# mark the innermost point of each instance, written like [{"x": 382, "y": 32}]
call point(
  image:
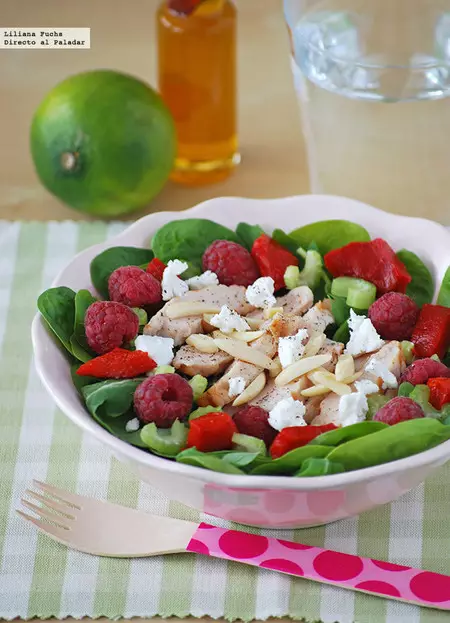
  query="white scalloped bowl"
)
[{"x": 262, "y": 501}]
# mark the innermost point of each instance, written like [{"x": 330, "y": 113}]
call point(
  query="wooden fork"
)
[{"x": 106, "y": 529}]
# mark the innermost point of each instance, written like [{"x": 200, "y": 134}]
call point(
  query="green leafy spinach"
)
[
  {"x": 248, "y": 234},
  {"x": 57, "y": 306},
  {"x": 444, "y": 291},
  {"x": 421, "y": 287},
  {"x": 329, "y": 235}
]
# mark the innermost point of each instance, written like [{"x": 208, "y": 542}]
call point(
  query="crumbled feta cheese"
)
[
  {"x": 366, "y": 387},
  {"x": 260, "y": 293},
  {"x": 228, "y": 320},
  {"x": 363, "y": 335},
  {"x": 236, "y": 386},
  {"x": 171, "y": 284},
  {"x": 291, "y": 348},
  {"x": 160, "y": 349},
  {"x": 352, "y": 408},
  {"x": 380, "y": 370},
  {"x": 132, "y": 425},
  {"x": 206, "y": 279},
  {"x": 288, "y": 412}
]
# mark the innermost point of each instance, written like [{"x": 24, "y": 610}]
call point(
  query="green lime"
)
[{"x": 103, "y": 142}]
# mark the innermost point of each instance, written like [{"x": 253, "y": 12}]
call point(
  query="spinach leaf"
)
[
  {"x": 109, "y": 403},
  {"x": 340, "y": 310},
  {"x": 83, "y": 299},
  {"x": 390, "y": 444},
  {"x": 421, "y": 287},
  {"x": 444, "y": 291},
  {"x": 290, "y": 462},
  {"x": 106, "y": 262},
  {"x": 78, "y": 351},
  {"x": 342, "y": 334},
  {"x": 316, "y": 466},
  {"x": 110, "y": 398},
  {"x": 329, "y": 235},
  {"x": 192, "y": 456},
  {"x": 248, "y": 234},
  {"x": 57, "y": 306},
  {"x": 341, "y": 435},
  {"x": 287, "y": 241},
  {"x": 240, "y": 459},
  {"x": 187, "y": 239},
  {"x": 80, "y": 381}
]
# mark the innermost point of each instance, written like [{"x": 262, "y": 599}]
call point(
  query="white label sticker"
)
[{"x": 15, "y": 38}]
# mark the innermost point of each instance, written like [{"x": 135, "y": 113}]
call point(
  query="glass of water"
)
[{"x": 373, "y": 81}]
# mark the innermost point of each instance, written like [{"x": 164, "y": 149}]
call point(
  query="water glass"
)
[{"x": 373, "y": 83}]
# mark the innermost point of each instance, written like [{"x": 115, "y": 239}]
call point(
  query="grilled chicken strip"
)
[{"x": 191, "y": 361}]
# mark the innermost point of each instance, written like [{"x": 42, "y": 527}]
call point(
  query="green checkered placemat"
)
[{"x": 39, "y": 578}]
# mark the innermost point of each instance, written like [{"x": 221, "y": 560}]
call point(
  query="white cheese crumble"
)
[
  {"x": 132, "y": 425},
  {"x": 363, "y": 336},
  {"x": 352, "y": 408},
  {"x": 291, "y": 348},
  {"x": 286, "y": 413},
  {"x": 206, "y": 279},
  {"x": 228, "y": 320},
  {"x": 171, "y": 284},
  {"x": 366, "y": 387},
  {"x": 380, "y": 370},
  {"x": 260, "y": 293},
  {"x": 236, "y": 386},
  {"x": 160, "y": 349}
]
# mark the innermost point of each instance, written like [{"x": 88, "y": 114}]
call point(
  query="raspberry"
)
[
  {"x": 252, "y": 420},
  {"x": 109, "y": 325},
  {"x": 134, "y": 287},
  {"x": 421, "y": 370},
  {"x": 398, "y": 410},
  {"x": 394, "y": 316},
  {"x": 232, "y": 263},
  {"x": 162, "y": 399}
]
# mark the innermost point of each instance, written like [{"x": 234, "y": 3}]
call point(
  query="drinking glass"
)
[{"x": 373, "y": 83}]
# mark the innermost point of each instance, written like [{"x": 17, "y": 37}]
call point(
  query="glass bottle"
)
[{"x": 197, "y": 80}]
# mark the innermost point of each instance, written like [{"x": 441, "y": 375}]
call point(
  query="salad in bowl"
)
[{"x": 244, "y": 351}]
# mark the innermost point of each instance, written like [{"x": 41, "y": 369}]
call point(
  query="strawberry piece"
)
[
  {"x": 373, "y": 261},
  {"x": 119, "y": 363},
  {"x": 156, "y": 268},
  {"x": 272, "y": 259},
  {"x": 439, "y": 392},
  {"x": 431, "y": 335},
  {"x": 209, "y": 433},
  {"x": 294, "y": 437}
]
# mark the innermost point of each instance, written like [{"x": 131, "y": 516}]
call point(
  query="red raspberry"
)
[
  {"x": 252, "y": 420},
  {"x": 232, "y": 263},
  {"x": 134, "y": 287},
  {"x": 162, "y": 399},
  {"x": 421, "y": 370},
  {"x": 108, "y": 325},
  {"x": 394, "y": 316},
  {"x": 399, "y": 410}
]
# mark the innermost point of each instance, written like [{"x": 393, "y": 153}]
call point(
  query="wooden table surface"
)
[{"x": 122, "y": 38}]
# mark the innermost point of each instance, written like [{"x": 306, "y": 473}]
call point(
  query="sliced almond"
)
[
  {"x": 298, "y": 386},
  {"x": 254, "y": 323},
  {"x": 276, "y": 369},
  {"x": 345, "y": 367},
  {"x": 251, "y": 391},
  {"x": 327, "y": 379},
  {"x": 300, "y": 367},
  {"x": 203, "y": 343},
  {"x": 314, "y": 344},
  {"x": 353, "y": 378},
  {"x": 247, "y": 336},
  {"x": 315, "y": 390},
  {"x": 270, "y": 312},
  {"x": 186, "y": 308},
  {"x": 241, "y": 351}
]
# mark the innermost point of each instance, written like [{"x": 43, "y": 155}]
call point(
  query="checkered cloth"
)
[{"x": 40, "y": 578}]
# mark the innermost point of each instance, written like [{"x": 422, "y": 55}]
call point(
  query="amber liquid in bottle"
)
[{"x": 197, "y": 80}]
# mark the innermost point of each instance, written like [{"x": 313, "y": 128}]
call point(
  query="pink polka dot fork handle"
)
[{"x": 384, "y": 579}]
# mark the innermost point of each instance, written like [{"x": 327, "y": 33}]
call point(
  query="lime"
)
[{"x": 103, "y": 142}]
